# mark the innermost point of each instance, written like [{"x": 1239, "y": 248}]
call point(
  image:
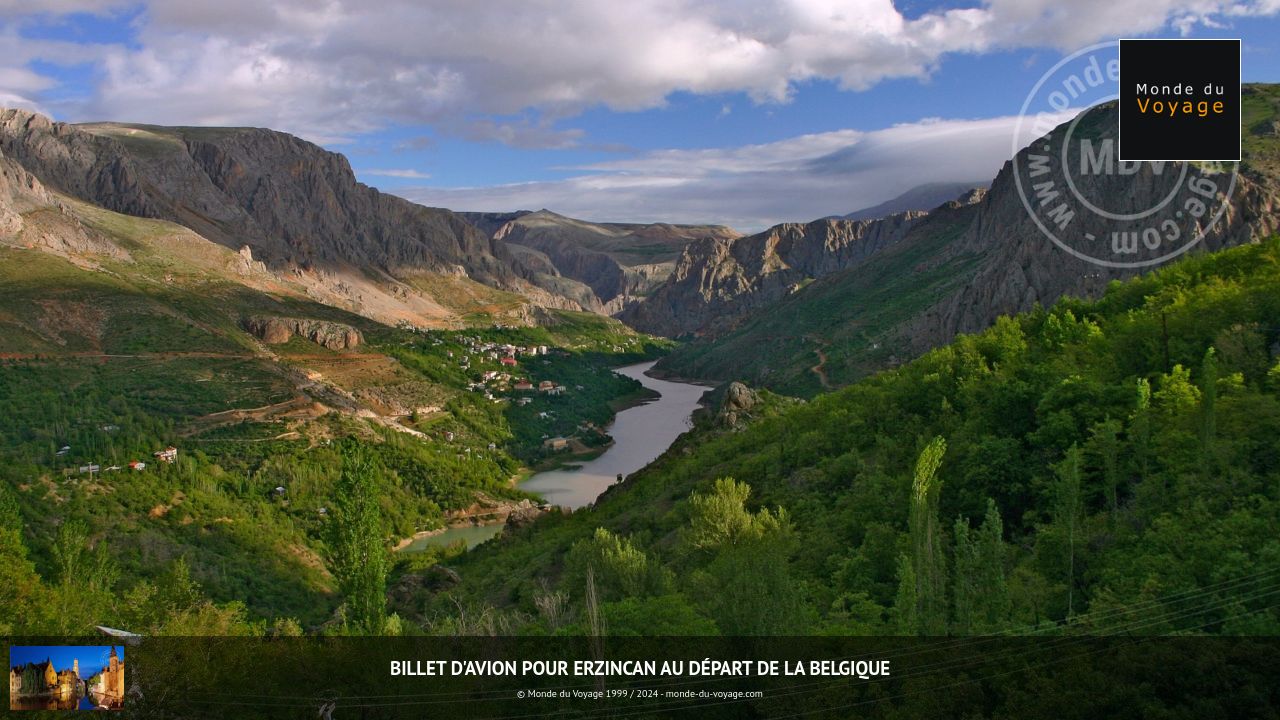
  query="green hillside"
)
[
  {"x": 1110, "y": 466},
  {"x": 116, "y": 355}
]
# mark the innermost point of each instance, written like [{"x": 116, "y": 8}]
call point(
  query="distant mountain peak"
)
[{"x": 920, "y": 197}]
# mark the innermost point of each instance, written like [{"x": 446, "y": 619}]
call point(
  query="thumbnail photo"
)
[{"x": 66, "y": 677}]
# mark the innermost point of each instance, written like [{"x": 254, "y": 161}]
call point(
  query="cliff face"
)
[
  {"x": 619, "y": 263},
  {"x": 32, "y": 217},
  {"x": 717, "y": 282},
  {"x": 292, "y": 202},
  {"x": 20, "y": 193},
  {"x": 1022, "y": 268}
]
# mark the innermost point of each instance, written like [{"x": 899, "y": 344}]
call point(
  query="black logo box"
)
[{"x": 1181, "y": 65}]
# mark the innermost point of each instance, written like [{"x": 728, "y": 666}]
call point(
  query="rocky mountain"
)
[
  {"x": 921, "y": 197},
  {"x": 32, "y": 217},
  {"x": 616, "y": 262},
  {"x": 289, "y": 200},
  {"x": 718, "y": 281},
  {"x": 959, "y": 268},
  {"x": 296, "y": 207}
]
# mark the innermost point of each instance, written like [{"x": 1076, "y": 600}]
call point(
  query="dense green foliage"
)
[
  {"x": 357, "y": 553},
  {"x": 1112, "y": 465}
]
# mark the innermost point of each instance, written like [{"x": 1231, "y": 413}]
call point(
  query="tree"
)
[
  {"x": 928, "y": 561},
  {"x": 1140, "y": 428},
  {"x": 1208, "y": 398},
  {"x": 747, "y": 588},
  {"x": 358, "y": 554},
  {"x": 720, "y": 517},
  {"x": 1068, "y": 507},
  {"x": 69, "y": 549},
  {"x": 621, "y": 569},
  {"x": 1106, "y": 443},
  {"x": 981, "y": 595}
]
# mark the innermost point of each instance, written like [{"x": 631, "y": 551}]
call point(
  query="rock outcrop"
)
[
  {"x": 33, "y": 217},
  {"x": 717, "y": 281},
  {"x": 408, "y": 596},
  {"x": 522, "y": 517},
  {"x": 277, "y": 330},
  {"x": 737, "y": 405}
]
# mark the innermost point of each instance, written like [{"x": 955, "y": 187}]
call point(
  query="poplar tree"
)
[
  {"x": 1067, "y": 509},
  {"x": 357, "y": 551},
  {"x": 1140, "y": 427},
  {"x": 928, "y": 561},
  {"x": 1107, "y": 443},
  {"x": 980, "y": 593},
  {"x": 964, "y": 579},
  {"x": 1208, "y": 398}
]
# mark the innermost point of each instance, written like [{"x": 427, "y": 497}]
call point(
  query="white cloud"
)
[
  {"x": 395, "y": 173},
  {"x": 522, "y": 134},
  {"x": 327, "y": 69},
  {"x": 754, "y": 186}
]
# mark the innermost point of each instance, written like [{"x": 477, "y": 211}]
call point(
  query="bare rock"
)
[
  {"x": 277, "y": 330},
  {"x": 522, "y": 517},
  {"x": 718, "y": 281}
]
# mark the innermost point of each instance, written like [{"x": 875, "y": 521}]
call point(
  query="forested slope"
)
[{"x": 1112, "y": 464}]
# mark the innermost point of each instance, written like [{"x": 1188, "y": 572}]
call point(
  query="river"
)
[{"x": 640, "y": 434}]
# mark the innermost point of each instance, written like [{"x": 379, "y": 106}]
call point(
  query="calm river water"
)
[{"x": 640, "y": 435}]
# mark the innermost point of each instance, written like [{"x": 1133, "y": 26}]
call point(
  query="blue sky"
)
[
  {"x": 92, "y": 657},
  {"x": 674, "y": 110}
]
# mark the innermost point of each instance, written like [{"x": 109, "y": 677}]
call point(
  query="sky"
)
[
  {"x": 92, "y": 657},
  {"x": 745, "y": 113}
]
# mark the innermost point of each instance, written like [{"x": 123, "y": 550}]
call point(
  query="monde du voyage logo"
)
[{"x": 1136, "y": 177}]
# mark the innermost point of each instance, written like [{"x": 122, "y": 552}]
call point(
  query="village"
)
[
  {"x": 502, "y": 373},
  {"x": 168, "y": 455}
]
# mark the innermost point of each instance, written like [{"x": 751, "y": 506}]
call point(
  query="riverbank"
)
[
  {"x": 485, "y": 513},
  {"x": 646, "y": 424},
  {"x": 640, "y": 434}
]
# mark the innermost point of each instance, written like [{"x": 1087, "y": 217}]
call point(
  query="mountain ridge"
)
[
  {"x": 288, "y": 204},
  {"x": 897, "y": 305},
  {"x": 920, "y": 197},
  {"x": 618, "y": 262}
]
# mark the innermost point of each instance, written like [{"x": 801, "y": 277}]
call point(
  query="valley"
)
[{"x": 247, "y": 394}]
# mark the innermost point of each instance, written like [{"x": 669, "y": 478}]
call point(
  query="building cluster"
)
[
  {"x": 491, "y": 381},
  {"x": 41, "y": 679},
  {"x": 504, "y": 353},
  {"x": 110, "y": 686},
  {"x": 168, "y": 455}
]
